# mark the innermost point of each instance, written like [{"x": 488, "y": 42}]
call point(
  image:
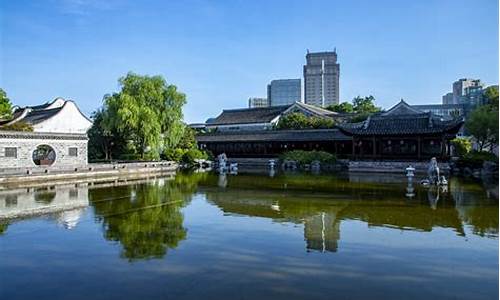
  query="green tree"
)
[
  {"x": 105, "y": 142},
  {"x": 344, "y": 107},
  {"x": 298, "y": 120},
  {"x": 483, "y": 125},
  {"x": 293, "y": 120},
  {"x": 462, "y": 146},
  {"x": 365, "y": 105},
  {"x": 5, "y": 106},
  {"x": 490, "y": 95},
  {"x": 148, "y": 111}
]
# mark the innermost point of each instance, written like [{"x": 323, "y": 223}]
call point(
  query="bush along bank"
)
[
  {"x": 310, "y": 160},
  {"x": 477, "y": 164}
]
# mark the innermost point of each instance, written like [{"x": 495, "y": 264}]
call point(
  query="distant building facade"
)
[
  {"x": 448, "y": 99},
  {"x": 447, "y": 111},
  {"x": 465, "y": 91},
  {"x": 257, "y": 102},
  {"x": 284, "y": 92},
  {"x": 321, "y": 79}
]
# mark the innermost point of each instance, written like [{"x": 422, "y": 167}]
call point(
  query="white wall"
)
[{"x": 68, "y": 120}]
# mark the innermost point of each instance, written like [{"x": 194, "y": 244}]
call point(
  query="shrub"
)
[
  {"x": 175, "y": 154},
  {"x": 306, "y": 157},
  {"x": 192, "y": 154},
  {"x": 185, "y": 155},
  {"x": 18, "y": 126},
  {"x": 481, "y": 156},
  {"x": 462, "y": 146},
  {"x": 475, "y": 159}
]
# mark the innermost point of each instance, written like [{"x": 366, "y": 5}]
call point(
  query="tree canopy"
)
[
  {"x": 490, "y": 95},
  {"x": 297, "y": 120},
  {"x": 482, "y": 124},
  {"x": 147, "y": 111},
  {"x": 361, "y": 106},
  {"x": 344, "y": 107},
  {"x": 364, "y": 105},
  {"x": 142, "y": 121},
  {"x": 5, "y": 105}
]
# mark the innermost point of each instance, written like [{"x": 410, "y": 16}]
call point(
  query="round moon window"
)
[{"x": 44, "y": 155}]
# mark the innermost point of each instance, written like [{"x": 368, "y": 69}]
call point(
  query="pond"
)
[{"x": 250, "y": 236}]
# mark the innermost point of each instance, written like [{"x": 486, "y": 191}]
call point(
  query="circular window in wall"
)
[{"x": 44, "y": 155}]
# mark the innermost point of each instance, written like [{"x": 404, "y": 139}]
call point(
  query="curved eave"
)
[
  {"x": 62, "y": 108},
  {"x": 449, "y": 129}
]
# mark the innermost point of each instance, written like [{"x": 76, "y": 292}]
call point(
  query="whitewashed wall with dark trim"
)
[{"x": 26, "y": 142}]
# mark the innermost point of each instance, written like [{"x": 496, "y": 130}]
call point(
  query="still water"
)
[{"x": 290, "y": 236}]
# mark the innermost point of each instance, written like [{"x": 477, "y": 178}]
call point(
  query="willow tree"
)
[{"x": 148, "y": 112}]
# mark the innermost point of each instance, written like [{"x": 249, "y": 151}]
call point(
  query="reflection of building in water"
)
[
  {"x": 321, "y": 228},
  {"x": 322, "y": 232},
  {"x": 70, "y": 218},
  {"x": 24, "y": 202}
]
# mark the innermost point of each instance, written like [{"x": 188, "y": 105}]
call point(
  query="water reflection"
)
[
  {"x": 321, "y": 203},
  {"x": 146, "y": 219},
  {"x": 24, "y": 202}
]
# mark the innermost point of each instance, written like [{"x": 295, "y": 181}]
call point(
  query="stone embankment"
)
[
  {"x": 393, "y": 166},
  {"x": 33, "y": 174}
]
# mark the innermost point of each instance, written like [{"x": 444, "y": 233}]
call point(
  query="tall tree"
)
[
  {"x": 148, "y": 111},
  {"x": 483, "y": 125},
  {"x": 5, "y": 106}
]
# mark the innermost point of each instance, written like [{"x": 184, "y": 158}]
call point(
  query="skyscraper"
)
[
  {"x": 321, "y": 78},
  {"x": 283, "y": 92}
]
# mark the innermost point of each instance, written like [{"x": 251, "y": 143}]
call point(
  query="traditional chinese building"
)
[
  {"x": 58, "y": 137},
  {"x": 402, "y": 132}
]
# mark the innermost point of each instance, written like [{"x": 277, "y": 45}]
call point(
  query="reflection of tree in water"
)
[
  {"x": 475, "y": 208},
  {"x": 3, "y": 227},
  {"x": 146, "y": 219}
]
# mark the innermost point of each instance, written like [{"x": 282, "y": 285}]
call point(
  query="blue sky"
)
[{"x": 221, "y": 52}]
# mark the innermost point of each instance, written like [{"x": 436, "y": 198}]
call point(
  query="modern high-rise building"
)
[
  {"x": 257, "y": 102},
  {"x": 321, "y": 78},
  {"x": 467, "y": 91},
  {"x": 284, "y": 92}
]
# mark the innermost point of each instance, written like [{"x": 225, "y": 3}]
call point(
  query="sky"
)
[{"x": 220, "y": 53}]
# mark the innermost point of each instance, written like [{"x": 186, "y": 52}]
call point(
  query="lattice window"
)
[{"x": 11, "y": 152}]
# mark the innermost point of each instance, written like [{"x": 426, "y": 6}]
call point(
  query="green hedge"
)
[
  {"x": 306, "y": 157},
  {"x": 475, "y": 159},
  {"x": 185, "y": 155}
]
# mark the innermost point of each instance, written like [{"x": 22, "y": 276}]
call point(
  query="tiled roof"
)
[
  {"x": 409, "y": 124},
  {"x": 316, "y": 110},
  {"x": 37, "y": 116},
  {"x": 274, "y": 135},
  {"x": 265, "y": 114},
  {"x": 402, "y": 119},
  {"x": 249, "y": 115}
]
